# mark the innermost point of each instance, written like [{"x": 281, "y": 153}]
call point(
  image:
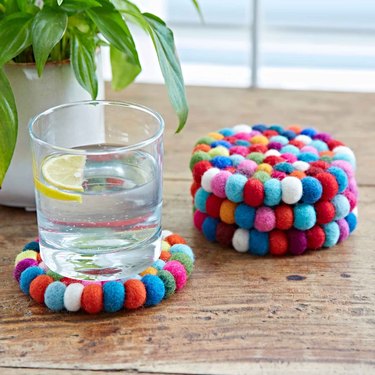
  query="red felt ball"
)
[
  {"x": 225, "y": 233},
  {"x": 213, "y": 205},
  {"x": 258, "y": 148},
  {"x": 329, "y": 185},
  {"x": 67, "y": 281},
  {"x": 174, "y": 239},
  {"x": 325, "y": 212},
  {"x": 313, "y": 171},
  {"x": 273, "y": 160},
  {"x": 199, "y": 169},
  {"x": 284, "y": 217},
  {"x": 332, "y": 143},
  {"x": 198, "y": 219},
  {"x": 319, "y": 164},
  {"x": 297, "y": 143},
  {"x": 194, "y": 188},
  {"x": 165, "y": 255},
  {"x": 230, "y": 139},
  {"x": 92, "y": 299},
  {"x": 135, "y": 294},
  {"x": 278, "y": 242},
  {"x": 315, "y": 237},
  {"x": 270, "y": 133},
  {"x": 253, "y": 193},
  {"x": 38, "y": 287}
]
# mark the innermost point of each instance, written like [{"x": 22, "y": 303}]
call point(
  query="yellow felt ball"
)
[
  {"x": 215, "y": 135},
  {"x": 218, "y": 151},
  {"x": 227, "y": 209},
  {"x": 28, "y": 254},
  {"x": 265, "y": 168},
  {"x": 149, "y": 271},
  {"x": 165, "y": 246},
  {"x": 259, "y": 139}
]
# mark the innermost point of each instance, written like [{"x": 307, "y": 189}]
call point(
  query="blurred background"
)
[{"x": 291, "y": 44}]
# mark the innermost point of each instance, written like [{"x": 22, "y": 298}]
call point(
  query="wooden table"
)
[{"x": 238, "y": 314}]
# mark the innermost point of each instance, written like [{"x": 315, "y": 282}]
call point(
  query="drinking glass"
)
[{"x": 97, "y": 169}]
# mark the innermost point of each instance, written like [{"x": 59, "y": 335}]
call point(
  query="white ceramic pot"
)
[{"x": 33, "y": 95}]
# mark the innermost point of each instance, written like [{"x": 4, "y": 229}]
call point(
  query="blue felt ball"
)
[
  {"x": 277, "y": 128},
  {"x": 290, "y": 149},
  {"x": 340, "y": 176},
  {"x": 309, "y": 132},
  {"x": 349, "y": 158},
  {"x": 279, "y": 139},
  {"x": 304, "y": 216},
  {"x": 113, "y": 296},
  {"x": 221, "y": 162},
  {"x": 158, "y": 264},
  {"x": 284, "y": 167},
  {"x": 272, "y": 192},
  {"x": 342, "y": 206},
  {"x": 260, "y": 127},
  {"x": 290, "y": 134},
  {"x": 221, "y": 142},
  {"x": 226, "y": 132},
  {"x": 332, "y": 232},
  {"x": 209, "y": 228},
  {"x": 155, "y": 289},
  {"x": 181, "y": 248},
  {"x": 27, "y": 276},
  {"x": 33, "y": 245},
  {"x": 244, "y": 216},
  {"x": 319, "y": 145},
  {"x": 54, "y": 296},
  {"x": 312, "y": 190},
  {"x": 308, "y": 157},
  {"x": 242, "y": 142},
  {"x": 234, "y": 187},
  {"x": 351, "y": 219},
  {"x": 258, "y": 243},
  {"x": 200, "y": 199},
  {"x": 236, "y": 159}
]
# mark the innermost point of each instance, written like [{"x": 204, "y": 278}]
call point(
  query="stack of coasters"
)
[{"x": 268, "y": 189}]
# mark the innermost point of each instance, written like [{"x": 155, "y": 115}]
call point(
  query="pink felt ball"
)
[
  {"x": 178, "y": 271},
  {"x": 289, "y": 157},
  {"x": 265, "y": 219},
  {"x": 239, "y": 150},
  {"x": 344, "y": 229},
  {"x": 345, "y": 166},
  {"x": 311, "y": 149},
  {"x": 198, "y": 219},
  {"x": 278, "y": 175},
  {"x": 218, "y": 183},
  {"x": 247, "y": 167}
]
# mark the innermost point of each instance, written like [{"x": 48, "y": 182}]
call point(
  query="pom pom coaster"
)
[
  {"x": 166, "y": 276},
  {"x": 273, "y": 190}
]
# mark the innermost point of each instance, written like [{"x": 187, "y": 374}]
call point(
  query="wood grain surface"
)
[{"x": 238, "y": 314}]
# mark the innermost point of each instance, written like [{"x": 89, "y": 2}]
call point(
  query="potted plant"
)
[{"x": 50, "y": 53}]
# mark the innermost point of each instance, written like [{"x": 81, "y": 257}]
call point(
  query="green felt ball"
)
[
  {"x": 54, "y": 275},
  {"x": 198, "y": 156},
  {"x": 185, "y": 260},
  {"x": 205, "y": 140},
  {"x": 326, "y": 158},
  {"x": 258, "y": 157},
  {"x": 169, "y": 282},
  {"x": 261, "y": 176}
]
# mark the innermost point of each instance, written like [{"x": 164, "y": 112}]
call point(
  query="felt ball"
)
[
  {"x": 290, "y": 149},
  {"x": 341, "y": 178},
  {"x": 342, "y": 206},
  {"x": 185, "y": 260},
  {"x": 194, "y": 188},
  {"x": 164, "y": 244},
  {"x": 222, "y": 143},
  {"x": 265, "y": 219},
  {"x": 22, "y": 265},
  {"x": 325, "y": 212},
  {"x": 291, "y": 188},
  {"x": 348, "y": 158},
  {"x": 174, "y": 239},
  {"x": 155, "y": 289},
  {"x": 309, "y": 131},
  {"x": 272, "y": 192},
  {"x": 198, "y": 156},
  {"x": 247, "y": 167},
  {"x": 257, "y": 157},
  {"x": 218, "y": 151},
  {"x": 27, "y": 254},
  {"x": 54, "y": 296},
  {"x": 205, "y": 140},
  {"x": 333, "y": 143},
  {"x": 304, "y": 138},
  {"x": 278, "y": 242},
  {"x": 224, "y": 233},
  {"x": 207, "y": 177},
  {"x": 178, "y": 272},
  {"x": 183, "y": 249},
  {"x": 209, "y": 228},
  {"x": 351, "y": 198},
  {"x": 169, "y": 282},
  {"x": 277, "y": 128},
  {"x": 221, "y": 162},
  {"x": 259, "y": 127},
  {"x": 296, "y": 128},
  {"x": 241, "y": 128},
  {"x": 165, "y": 255},
  {"x": 260, "y": 148},
  {"x": 345, "y": 166},
  {"x": 273, "y": 160},
  {"x": 165, "y": 233},
  {"x": 200, "y": 199},
  {"x": 352, "y": 221},
  {"x": 215, "y": 135},
  {"x": 353, "y": 186},
  {"x": 92, "y": 299},
  {"x": 42, "y": 265},
  {"x": 54, "y": 275},
  {"x": 72, "y": 296},
  {"x": 304, "y": 216},
  {"x": 344, "y": 229},
  {"x": 213, "y": 205},
  {"x": 271, "y": 152},
  {"x": 226, "y": 132},
  {"x": 329, "y": 185},
  {"x": 159, "y": 264},
  {"x": 113, "y": 296},
  {"x": 201, "y": 147},
  {"x": 289, "y": 157},
  {"x": 240, "y": 240},
  {"x": 227, "y": 210},
  {"x": 261, "y": 176},
  {"x": 275, "y": 146},
  {"x": 315, "y": 237},
  {"x": 311, "y": 190},
  {"x": 308, "y": 157},
  {"x": 344, "y": 150},
  {"x": 280, "y": 139},
  {"x": 278, "y": 175},
  {"x": 301, "y": 165},
  {"x": 239, "y": 150},
  {"x": 33, "y": 245},
  {"x": 319, "y": 145},
  {"x": 236, "y": 159},
  {"x": 38, "y": 287},
  {"x": 244, "y": 216},
  {"x": 253, "y": 193},
  {"x": 290, "y": 134},
  {"x": 149, "y": 271},
  {"x": 27, "y": 276},
  {"x": 258, "y": 243},
  {"x": 297, "y": 241},
  {"x": 199, "y": 169},
  {"x": 284, "y": 217},
  {"x": 259, "y": 139},
  {"x": 284, "y": 167},
  {"x": 332, "y": 232},
  {"x": 135, "y": 294},
  {"x": 198, "y": 219},
  {"x": 300, "y": 175},
  {"x": 218, "y": 183},
  {"x": 234, "y": 187}
]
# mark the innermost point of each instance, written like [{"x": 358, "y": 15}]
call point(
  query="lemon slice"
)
[
  {"x": 65, "y": 171},
  {"x": 56, "y": 194}
]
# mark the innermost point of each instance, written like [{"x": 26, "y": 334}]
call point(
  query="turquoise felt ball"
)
[
  {"x": 54, "y": 296},
  {"x": 113, "y": 296},
  {"x": 304, "y": 216}
]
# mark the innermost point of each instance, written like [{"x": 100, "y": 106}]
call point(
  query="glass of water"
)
[{"x": 98, "y": 179}]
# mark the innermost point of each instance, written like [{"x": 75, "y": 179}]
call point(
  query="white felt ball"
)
[
  {"x": 241, "y": 128},
  {"x": 291, "y": 189},
  {"x": 72, "y": 296},
  {"x": 303, "y": 138},
  {"x": 165, "y": 233},
  {"x": 240, "y": 240},
  {"x": 207, "y": 178},
  {"x": 272, "y": 152},
  {"x": 301, "y": 165},
  {"x": 355, "y": 211},
  {"x": 344, "y": 150}
]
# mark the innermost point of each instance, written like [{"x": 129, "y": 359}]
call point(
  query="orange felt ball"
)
[
  {"x": 38, "y": 287},
  {"x": 278, "y": 242},
  {"x": 284, "y": 217},
  {"x": 296, "y": 128},
  {"x": 298, "y": 174},
  {"x": 174, "y": 239},
  {"x": 38, "y": 258},
  {"x": 227, "y": 210},
  {"x": 165, "y": 255},
  {"x": 92, "y": 298},
  {"x": 135, "y": 294},
  {"x": 202, "y": 147}
]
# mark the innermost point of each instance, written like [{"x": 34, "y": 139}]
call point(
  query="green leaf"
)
[
  {"x": 163, "y": 40},
  {"x": 198, "y": 8},
  {"x": 82, "y": 56},
  {"x": 124, "y": 72},
  {"x": 73, "y": 6},
  {"x": 8, "y": 124},
  {"x": 114, "y": 29},
  {"x": 48, "y": 28},
  {"x": 59, "y": 2},
  {"x": 15, "y": 35},
  {"x": 27, "y": 6}
]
